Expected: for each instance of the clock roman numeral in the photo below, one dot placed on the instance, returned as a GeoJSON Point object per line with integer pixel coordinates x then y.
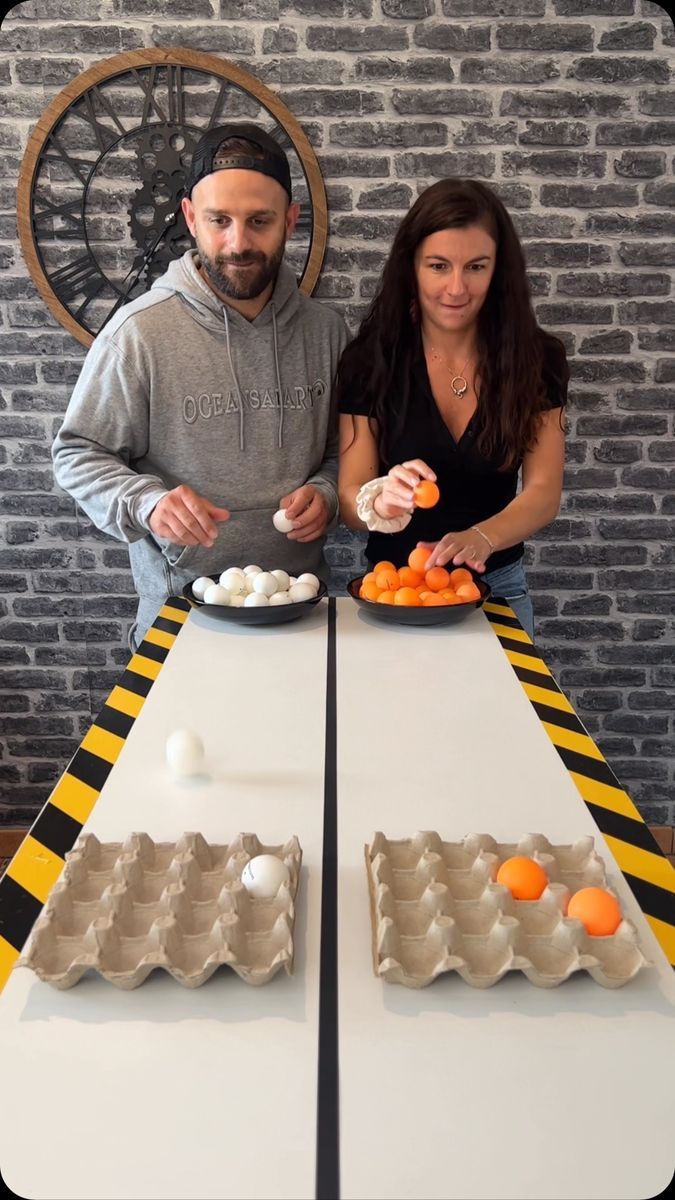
{"type": "Point", "coordinates": [105, 136]}
{"type": "Point", "coordinates": [305, 222]}
{"type": "Point", "coordinates": [71, 212]}
{"type": "Point", "coordinates": [215, 112]}
{"type": "Point", "coordinates": [280, 135]}
{"type": "Point", "coordinates": [150, 102]}
{"type": "Point", "coordinates": [80, 277]}
{"type": "Point", "coordinates": [174, 86]}
{"type": "Point", "coordinates": [80, 167]}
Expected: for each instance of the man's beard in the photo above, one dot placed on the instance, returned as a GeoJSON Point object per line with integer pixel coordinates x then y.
{"type": "Point", "coordinates": [226, 277]}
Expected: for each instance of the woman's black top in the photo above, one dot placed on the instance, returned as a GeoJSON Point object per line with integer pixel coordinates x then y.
{"type": "Point", "coordinates": [472, 487]}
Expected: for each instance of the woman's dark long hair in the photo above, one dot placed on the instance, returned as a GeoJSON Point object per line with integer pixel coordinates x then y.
{"type": "Point", "coordinates": [511, 346]}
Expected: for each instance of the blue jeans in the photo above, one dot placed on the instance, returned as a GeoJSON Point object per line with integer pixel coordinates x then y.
{"type": "Point", "coordinates": [510, 583]}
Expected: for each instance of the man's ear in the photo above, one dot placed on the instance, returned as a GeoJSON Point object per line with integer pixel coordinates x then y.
{"type": "Point", "coordinates": [189, 214]}
{"type": "Point", "coordinates": [292, 215]}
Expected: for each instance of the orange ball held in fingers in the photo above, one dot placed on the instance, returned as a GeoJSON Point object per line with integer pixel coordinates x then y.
{"type": "Point", "coordinates": [468, 591]}
{"type": "Point", "coordinates": [417, 559]}
{"type": "Point", "coordinates": [597, 910]}
{"type": "Point", "coordinates": [524, 878]}
{"type": "Point", "coordinates": [386, 598]}
{"type": "Point", "coordinates": [460, 575]}
{"type": "Point", "coordinates": [408, 597]}
{"type": "Point", "coordinates": [369, 591]}
{"type": "Point", "coordinates": [437, 579]}
{"type": "Point", "coordinates": [426, 494]}
{"type": "Point", "coordinates": [385, 565]}
{"type": "Point", "coordinates": [387, 580]}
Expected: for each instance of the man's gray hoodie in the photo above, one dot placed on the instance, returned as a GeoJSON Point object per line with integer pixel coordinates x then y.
{"type": "Point", "coordinates": [180, 388]}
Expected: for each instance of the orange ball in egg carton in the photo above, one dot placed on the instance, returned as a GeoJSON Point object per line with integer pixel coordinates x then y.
{"type": "Point", "coordinates": [523, 876]}
{"type": "Point", "coordinates": [597, 909]}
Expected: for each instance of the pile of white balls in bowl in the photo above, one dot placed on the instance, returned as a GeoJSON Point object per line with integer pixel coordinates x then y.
{"type": "Point", "coordinates": [251, 587]}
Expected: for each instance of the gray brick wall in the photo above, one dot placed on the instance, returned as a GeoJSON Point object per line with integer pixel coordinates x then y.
{"type": "Point", "coordinates": [568, 108]}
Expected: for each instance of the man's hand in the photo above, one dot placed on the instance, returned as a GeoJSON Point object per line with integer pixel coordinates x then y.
{"type": "Point", "coordinates": [186, 518]}
{"type": "Point", "coordinates": [308, 511]}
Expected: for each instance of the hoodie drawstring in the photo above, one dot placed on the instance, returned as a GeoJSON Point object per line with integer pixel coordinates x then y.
{"type": "Point", "coordinates": [280, 437]}
{"type": "Point", "coordinates": [236, 381]}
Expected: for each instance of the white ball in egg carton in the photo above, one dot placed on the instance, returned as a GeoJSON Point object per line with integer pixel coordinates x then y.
{"type": "Point", "coordinates": [184, 753]}
{"type": "Point", "coordinates": [263, 876]}
{"type": "Point", "coordinates": [281, 522]}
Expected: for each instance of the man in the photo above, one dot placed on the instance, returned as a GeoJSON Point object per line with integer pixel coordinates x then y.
{"type": "Point", "coordinates": [205, 405]}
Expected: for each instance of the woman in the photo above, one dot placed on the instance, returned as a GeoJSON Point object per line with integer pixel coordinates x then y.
{"type": "Point", "coordinates": [450, 379]}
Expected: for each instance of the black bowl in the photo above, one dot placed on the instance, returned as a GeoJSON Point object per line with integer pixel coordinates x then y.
{"type": "Point", "coordinates": [274, 615]}
{"type": "Point", "coordinates": [399, 614]}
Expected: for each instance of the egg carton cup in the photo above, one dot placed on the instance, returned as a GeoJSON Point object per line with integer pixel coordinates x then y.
{"type": "Point", "coordinates": [435, 907]}
{"type": "Point", "coordinates": [126, 908]}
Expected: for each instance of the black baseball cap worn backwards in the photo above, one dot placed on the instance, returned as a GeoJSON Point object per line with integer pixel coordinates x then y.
{"type": "Point", "coordinates": [206, 160]}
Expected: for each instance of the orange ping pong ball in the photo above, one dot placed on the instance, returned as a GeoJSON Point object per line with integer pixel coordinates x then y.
{"type": "Point", "coordinates": [597, 910]}
{"type": "Point", "coordinates": [426, 494]}
{"type": "Point", "coordinates": [524, 878]}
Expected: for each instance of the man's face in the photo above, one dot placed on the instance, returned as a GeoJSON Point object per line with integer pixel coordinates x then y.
{"type": "Point", "coordinates": [240, 221]}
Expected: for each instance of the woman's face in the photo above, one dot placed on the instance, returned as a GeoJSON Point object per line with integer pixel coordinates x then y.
{"type": "Point", "coordinates": [453, 269]}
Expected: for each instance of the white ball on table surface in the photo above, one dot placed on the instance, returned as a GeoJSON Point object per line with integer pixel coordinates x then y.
{"type": "Point", "coordinates": [281, 521]}
{"type": "Point", "coordinates": [263, 876]}
{"type": "Point", "coordinates": [265, 584]}
{"type": "Point", "coordinates": [184, 752]}
{"type": "Point", "coordinates": [216, 594]}
{"type": "Point", "coordinates": [200, 585]}
{"type": "Point", "coordinates": [256, 600]}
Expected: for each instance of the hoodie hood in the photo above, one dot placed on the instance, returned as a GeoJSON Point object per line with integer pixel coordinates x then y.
{"type": "Point", "coordinates": [183, 279]}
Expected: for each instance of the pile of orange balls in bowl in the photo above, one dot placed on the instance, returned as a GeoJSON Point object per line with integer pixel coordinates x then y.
{"type": "Point", "coordinates": [410, 588]}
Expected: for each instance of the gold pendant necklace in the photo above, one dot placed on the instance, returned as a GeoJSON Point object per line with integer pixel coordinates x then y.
{"type": "Point", "coordinates": [458, 383]}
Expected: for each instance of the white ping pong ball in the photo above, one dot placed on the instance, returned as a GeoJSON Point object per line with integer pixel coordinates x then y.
{"type": "Point", "coordinates": [234, 580]}
{"type": "Point", "coordinates": [283, 580]}
{"type": "Point", "coordinates": [280, 598]}
{"type": "Point", "coordinates": [184, 753]}
{"type": "Point", "coordinates": [200, 585]}
{"type": "Point", "coordinates": [301, 591]}
{"type": "Point", "coordinates": [263, 876]}
{"type": "Point", "coordinates": [256, 600]}
{"type": "Point", "coordinates": [215, 594]}
{"type": "Point", "coordinates": [311, 579]}
{"type": "Point", "coordinates": [265, 584]}
{"type": "Point", "coordinates": [281, 521]}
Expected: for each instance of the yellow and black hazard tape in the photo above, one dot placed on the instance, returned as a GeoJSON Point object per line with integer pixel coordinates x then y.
{"type": "Point", "coordinates": [647, 871]}
{"type": "Point", "coordinates": [38, 862]}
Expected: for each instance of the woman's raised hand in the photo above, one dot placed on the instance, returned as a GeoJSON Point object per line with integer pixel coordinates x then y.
{"type": "Point", "coordinates": [397, 495]}
{"type": "Point", "coordinates": [462, 549]}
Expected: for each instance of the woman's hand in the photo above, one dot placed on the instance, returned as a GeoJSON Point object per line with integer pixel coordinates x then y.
{"type": "Point", "coordinates": [465, 548]}
{"type": "Point", "coordinates": [397, 495]}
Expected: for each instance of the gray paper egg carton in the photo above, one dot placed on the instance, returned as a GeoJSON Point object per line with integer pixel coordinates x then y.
{"type": "Point", "coordinates": [126, 909]}
{"type": "Point", "coordinates": [435, 907]}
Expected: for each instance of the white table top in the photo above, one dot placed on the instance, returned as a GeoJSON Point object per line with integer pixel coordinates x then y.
{"type": "Point", "coordinates": [446, 1092]}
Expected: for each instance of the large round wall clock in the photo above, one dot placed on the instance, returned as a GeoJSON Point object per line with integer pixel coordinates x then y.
{"type": "Point", "coordinates": [98, 203]}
